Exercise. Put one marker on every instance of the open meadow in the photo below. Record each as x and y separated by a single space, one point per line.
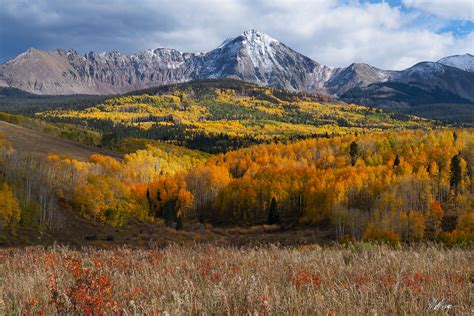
204 279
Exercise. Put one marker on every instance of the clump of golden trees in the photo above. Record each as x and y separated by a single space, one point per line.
9 207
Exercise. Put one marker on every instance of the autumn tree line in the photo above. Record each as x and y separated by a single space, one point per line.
391 186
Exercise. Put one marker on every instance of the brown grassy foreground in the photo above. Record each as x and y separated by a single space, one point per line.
208 279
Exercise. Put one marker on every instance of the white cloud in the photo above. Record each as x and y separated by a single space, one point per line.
450 9
328 31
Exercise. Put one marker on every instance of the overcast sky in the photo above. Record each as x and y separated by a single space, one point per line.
388 34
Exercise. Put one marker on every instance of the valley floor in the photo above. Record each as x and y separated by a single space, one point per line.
206 279
77 232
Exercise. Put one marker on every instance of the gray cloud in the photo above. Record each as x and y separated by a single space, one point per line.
328 31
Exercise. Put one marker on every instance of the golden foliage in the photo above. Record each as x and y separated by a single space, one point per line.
9 207
263 117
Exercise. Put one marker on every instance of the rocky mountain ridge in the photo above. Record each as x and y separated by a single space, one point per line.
252 56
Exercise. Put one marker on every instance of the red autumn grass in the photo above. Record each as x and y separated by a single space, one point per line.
220 280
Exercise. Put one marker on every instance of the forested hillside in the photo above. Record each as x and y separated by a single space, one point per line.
220 116
17 101
390 186
279 158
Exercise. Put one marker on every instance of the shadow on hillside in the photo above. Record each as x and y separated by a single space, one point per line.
78 232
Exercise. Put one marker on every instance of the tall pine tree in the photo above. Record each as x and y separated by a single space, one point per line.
396 162
150 202
456 173
273 214
179 223
353 152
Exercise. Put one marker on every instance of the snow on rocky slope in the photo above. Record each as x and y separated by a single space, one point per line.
463 62
252 56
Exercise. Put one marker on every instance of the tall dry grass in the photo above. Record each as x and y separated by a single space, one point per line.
217 280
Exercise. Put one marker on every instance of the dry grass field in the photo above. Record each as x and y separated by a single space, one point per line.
35 142
191 280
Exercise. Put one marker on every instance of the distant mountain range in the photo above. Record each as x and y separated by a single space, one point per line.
253 57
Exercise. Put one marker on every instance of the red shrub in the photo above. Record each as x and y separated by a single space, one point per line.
304 278
90 292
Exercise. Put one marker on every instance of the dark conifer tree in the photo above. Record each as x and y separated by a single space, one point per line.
150 202
201 216
273 214
396 162
354 152
179 223
169 210
456 173
159 210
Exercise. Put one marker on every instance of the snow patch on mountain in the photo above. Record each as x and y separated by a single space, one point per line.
260 48
464 62
424 69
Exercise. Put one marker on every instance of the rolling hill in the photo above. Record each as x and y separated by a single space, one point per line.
35 142
219 115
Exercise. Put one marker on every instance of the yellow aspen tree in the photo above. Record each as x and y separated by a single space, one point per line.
9 207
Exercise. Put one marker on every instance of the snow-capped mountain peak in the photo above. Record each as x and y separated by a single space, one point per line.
463 62
257 57
258 38
261 49
252 56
